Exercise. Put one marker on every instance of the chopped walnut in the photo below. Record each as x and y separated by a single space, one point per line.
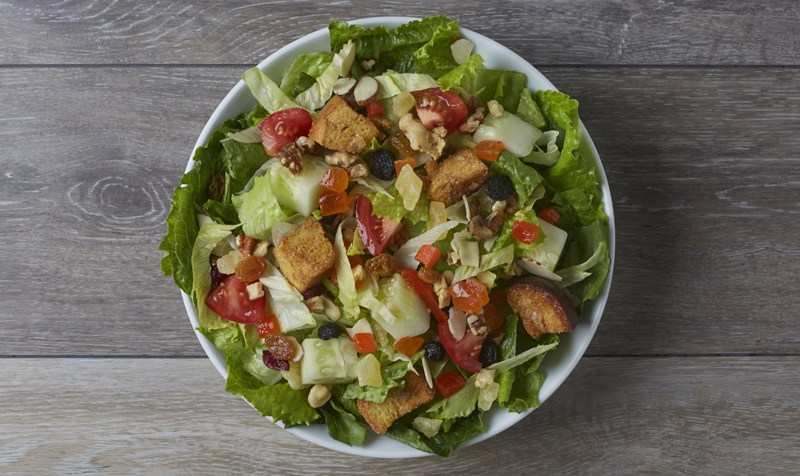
315 304
261 249
291 158
342 159
308 146
358 170
442 291
495 220
471 124
440 131
495 108
429 275
476 324
473 104
477 228
474 203
512 204
381 265
245 244
359 273
381 123
368 64
451 260
420 138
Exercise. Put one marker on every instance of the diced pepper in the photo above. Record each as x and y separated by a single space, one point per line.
375 109
470 295
408 346
549 215
364 343
268 326
399 164
332 203
428 255
525 232
425 291
488 149
449 384
335 180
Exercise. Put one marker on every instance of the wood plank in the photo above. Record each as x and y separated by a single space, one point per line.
552 32
612 416
702 166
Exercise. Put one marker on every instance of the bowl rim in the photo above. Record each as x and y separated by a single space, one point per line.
498 419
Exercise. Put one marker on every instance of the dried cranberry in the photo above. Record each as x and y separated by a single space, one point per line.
313 291
216 276
275 364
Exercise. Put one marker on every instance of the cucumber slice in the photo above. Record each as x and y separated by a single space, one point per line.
412 317
323 362
516 135
548 252
299 192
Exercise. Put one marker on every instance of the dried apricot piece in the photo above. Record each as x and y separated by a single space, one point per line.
409 346
488 149
492 317
332 203
335 180
470 295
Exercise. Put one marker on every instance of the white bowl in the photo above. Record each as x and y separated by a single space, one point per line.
556 366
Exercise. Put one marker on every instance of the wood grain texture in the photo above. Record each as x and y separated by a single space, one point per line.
544 32
612 416
702 166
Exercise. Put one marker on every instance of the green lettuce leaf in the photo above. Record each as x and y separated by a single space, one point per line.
504 87
588 252
434 57
529 111
179 240
266 92
459 74
347 283
241 160
391 373
311 64
524 177
233 343
259 209
445 442
342 425
502 257
393 208
508 349
278 401
222 213
207 238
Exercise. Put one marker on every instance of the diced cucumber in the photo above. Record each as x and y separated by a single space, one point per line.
323 362
517 136
412 317
299 192
548 252
349 355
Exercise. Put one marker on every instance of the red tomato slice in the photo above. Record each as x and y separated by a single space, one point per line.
425 291
440 108
376 233
283 126
465 352
229 301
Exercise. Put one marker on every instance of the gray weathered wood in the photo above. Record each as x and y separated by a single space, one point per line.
612 416
702 166
551 32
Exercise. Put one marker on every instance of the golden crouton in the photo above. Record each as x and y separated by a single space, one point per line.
339 127
305 255
460 174
542 307
399 401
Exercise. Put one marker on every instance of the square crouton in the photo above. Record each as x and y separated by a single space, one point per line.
542 306
305 256
399 401
339 127
460 174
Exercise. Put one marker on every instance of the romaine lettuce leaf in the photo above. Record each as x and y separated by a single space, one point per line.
434 57
392 375
504 87
588 252
222 213
233 343
391 84
504 257
347 282
529 111
461 72
285 301
241 160
207 238
318 94
445 442
312 64
178 242
266 92
524 177
342 425
259 209
393 208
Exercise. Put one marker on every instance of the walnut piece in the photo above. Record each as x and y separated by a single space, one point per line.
471 124
476 324
308 146
495 108
477 228
315 304
342 159
420 138
291 158
495 220
357 170
368 64
512 204
245 244
442 291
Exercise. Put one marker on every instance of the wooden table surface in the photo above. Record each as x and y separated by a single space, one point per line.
693 105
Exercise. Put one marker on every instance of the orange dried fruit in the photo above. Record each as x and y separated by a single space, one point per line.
280 346
335 180
250 269
488 149
333 202
470 295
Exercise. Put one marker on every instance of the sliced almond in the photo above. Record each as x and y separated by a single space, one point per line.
461 49
366 90
344 86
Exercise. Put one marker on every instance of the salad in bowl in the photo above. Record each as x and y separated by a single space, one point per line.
393 237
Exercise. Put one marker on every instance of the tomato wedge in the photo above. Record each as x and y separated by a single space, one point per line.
425 291
440 108
376 233
230 301
283 126
465 352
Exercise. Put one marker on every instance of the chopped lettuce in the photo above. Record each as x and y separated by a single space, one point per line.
266 91
207 238
285 301
391 84
524 177
343 425
232 341
587 252
434 57
242 159
529 110
459 74
347 283
259 210
444 442
311 64
318 94
392 374
504 257
393 208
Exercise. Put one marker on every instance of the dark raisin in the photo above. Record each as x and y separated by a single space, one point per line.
488 354
381 164
434 350
273 363
499 187
216 189
216 276
313 291
329 331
